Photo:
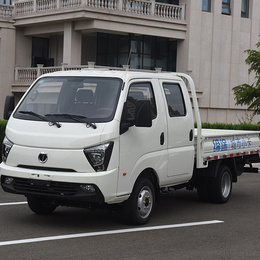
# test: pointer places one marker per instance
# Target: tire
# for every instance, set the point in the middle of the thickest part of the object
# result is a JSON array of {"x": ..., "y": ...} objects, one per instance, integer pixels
[
  {"x": 41, "y": 206},
  {"x": 139, "y": 207},
  {"x": 203, "y": 189},
  {"x": 221, "y": 186}
]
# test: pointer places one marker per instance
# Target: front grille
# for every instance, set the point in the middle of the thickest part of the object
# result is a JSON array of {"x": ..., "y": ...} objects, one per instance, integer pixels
[
  {"x": 44, "y": 187},
  {"x": 38, "y": 168}
]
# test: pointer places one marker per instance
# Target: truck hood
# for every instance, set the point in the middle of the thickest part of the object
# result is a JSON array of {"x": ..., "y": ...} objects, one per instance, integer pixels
[{"x": 41, "y": 134}]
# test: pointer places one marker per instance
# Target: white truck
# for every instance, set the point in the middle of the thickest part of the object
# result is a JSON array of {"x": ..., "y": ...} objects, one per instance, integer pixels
[{"x": 100, "y": 138}]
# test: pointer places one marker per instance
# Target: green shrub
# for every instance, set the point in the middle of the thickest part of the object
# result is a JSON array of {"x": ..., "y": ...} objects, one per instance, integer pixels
[
  {"x": 244, "y": 126},
  {"x": 2, "y": 135}
]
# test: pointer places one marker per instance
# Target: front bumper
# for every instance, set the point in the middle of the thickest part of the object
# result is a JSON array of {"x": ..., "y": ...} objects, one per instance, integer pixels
[
  {"x": 60, "y": 191},
  {"x": 62, "y": 185}
]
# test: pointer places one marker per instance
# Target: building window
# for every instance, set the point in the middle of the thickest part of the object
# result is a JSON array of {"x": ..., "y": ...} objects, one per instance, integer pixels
[
  {"x": 172, "y": 2},
  {"x": 245, "y": 8},
  {"x": 139, "y": 51},
  {"x": 226, "y": 7},
  {"x": 40, "y": 52},
  {"x": 6, "y": 2},
  {"x": 206, "y": 5}
]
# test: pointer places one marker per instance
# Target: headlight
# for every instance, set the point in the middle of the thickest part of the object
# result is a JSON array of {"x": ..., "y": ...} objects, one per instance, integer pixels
[
  {"x": 99, "y": 156},
  {"x": 6, "y": 147}
]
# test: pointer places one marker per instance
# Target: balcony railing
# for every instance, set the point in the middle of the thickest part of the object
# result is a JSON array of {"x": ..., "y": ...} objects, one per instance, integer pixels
[
  {"x": 25, "y": 76},
  {"x": 28, "y": 75},
  {"x": 6, "y": 10},
  {"x": 142, "y": 7}
]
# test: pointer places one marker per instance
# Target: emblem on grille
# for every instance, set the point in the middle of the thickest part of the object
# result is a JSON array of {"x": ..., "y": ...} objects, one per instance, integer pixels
[{"x": 43, "y": 157}]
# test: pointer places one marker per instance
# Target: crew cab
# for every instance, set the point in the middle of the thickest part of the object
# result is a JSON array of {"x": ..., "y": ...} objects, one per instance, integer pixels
[{"x": 100, "y": 138}]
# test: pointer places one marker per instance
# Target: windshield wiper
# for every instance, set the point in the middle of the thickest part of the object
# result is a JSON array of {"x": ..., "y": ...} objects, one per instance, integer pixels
[
  {"x": 51, "y": 122},
  {"x": 77, "y": 118}
]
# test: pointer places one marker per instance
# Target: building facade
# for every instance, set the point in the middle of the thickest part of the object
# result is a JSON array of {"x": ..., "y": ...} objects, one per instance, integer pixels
[{"x": 204, "y": 38}]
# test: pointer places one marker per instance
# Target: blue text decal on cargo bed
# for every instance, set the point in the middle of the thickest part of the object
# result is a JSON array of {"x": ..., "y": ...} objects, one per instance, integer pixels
[{"x": 230, "y": 144}]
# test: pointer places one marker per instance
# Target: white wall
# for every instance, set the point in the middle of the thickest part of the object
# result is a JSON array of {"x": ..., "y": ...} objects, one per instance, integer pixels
[
  {"x": 7, "y": 58},
  {"x": 215, "y": 44}
]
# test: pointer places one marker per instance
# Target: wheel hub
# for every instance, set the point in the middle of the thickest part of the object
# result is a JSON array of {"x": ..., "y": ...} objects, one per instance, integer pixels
[
  {"x": 225, "y": 185},
  {"x": 144, "y": 202}
]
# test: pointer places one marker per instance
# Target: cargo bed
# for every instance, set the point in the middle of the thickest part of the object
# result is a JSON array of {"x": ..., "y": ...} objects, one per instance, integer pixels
[{"x": 221, "y": 144}]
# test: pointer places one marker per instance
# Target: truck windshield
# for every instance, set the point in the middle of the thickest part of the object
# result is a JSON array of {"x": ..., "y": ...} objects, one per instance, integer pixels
[{"x": 93, "y": 99}]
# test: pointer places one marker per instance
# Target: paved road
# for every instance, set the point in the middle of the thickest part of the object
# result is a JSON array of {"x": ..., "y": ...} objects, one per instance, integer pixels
[{"x": 235, "y": 235}]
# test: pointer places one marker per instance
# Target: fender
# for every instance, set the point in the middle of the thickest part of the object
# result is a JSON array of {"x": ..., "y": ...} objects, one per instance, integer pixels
[
  {"x": 153, "y": 163},
  {"x": 213, "y": 168}
]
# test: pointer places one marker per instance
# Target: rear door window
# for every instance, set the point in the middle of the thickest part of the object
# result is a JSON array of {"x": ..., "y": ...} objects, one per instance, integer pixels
[{"x": 174, "y": 98}]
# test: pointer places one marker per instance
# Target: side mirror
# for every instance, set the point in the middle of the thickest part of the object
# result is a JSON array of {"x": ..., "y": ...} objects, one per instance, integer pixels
[
  {"x": 9, "y": 106},
  {"x": 143, "y": 113},
  {"x": 125, "y": 123},
  {"x": 143, "y": 116}
]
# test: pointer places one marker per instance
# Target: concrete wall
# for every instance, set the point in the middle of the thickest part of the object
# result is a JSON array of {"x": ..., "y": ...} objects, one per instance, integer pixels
[
  {"x": 7, "y": 61},
  {"x": 56, "y": 49},
  {"x": 215, "y": 44},
  {"x": 23, "y": 49}
]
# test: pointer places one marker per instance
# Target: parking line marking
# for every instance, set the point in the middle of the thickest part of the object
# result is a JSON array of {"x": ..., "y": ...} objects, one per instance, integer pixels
[
  {"x": 13, "y": 203},
  {"x": 109, "y": 232}
]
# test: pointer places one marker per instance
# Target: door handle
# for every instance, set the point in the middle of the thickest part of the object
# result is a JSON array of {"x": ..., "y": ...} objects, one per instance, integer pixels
[
  {"x": 162, "y": 138},
  {"x": 191, "y": 134}
]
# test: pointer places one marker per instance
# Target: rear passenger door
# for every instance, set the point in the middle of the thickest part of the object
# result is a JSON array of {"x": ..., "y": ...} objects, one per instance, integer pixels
[{"x": 180, "y": 130}]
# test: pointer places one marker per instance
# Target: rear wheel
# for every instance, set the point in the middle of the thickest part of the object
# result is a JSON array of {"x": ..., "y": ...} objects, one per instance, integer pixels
[
  {"x": 139, "y": 206},
  {"x": 40, "y": 205},
  {"x": 221, "y": 186}
]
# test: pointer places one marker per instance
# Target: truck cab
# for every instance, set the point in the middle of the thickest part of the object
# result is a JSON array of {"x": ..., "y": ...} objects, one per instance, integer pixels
[{"x": 99, "y": 137}]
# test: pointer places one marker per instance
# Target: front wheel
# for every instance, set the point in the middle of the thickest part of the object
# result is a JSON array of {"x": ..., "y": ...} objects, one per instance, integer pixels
[
  {"x": 139, "y": 206},
  {"x": 221, "y": 186},
  {"x": 41, "y": 206}
]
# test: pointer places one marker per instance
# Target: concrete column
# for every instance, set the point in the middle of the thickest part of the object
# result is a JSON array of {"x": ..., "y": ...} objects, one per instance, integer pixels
[
  {"x": 183, "y": 9},
  {"x": 7, "y": 56},
  {"x": 34, "y": 6},
  {"x": 84, "y": 3},
  {"x": 23, "y": 50},
  {"x": 63, "y": 65},
  {"x": 16, "y": 75},
  {"x": 72, "y": 45},
  {"x": 58, "y": 4},
  {"x": 152, "y": 10},
  {"x": 39, "y": 67}
]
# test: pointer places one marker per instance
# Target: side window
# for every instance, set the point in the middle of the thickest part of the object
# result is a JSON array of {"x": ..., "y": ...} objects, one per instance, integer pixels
[
  {"x": 142, "y": 90},
  {"x": 175, "y": 101}
]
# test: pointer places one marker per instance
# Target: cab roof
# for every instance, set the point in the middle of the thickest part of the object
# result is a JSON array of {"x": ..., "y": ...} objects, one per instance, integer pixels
[{"x": 111, "y": 73}]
